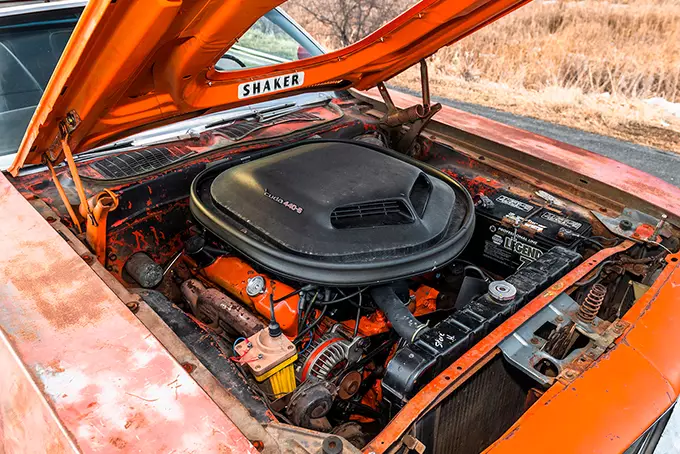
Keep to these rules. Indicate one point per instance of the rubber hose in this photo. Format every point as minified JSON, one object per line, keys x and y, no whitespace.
{"x":402,"y":320}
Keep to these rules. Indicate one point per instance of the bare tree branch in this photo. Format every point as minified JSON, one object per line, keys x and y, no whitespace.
{"x":348,"y":21}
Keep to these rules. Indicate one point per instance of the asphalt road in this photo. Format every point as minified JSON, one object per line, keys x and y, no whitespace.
{"x":663,"y":164}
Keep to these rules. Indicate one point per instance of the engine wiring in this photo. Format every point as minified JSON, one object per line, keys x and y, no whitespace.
{"x":477,"y":270}
{"x":472,"y":267}
{"x":309,"y":342}
{"x":604,"y":238}
{"x":356,"y":323}
{"x":344,"y":298}
{"x":236,"y":342}
{"x":309,"y":329}
{"x":304,"y":315}
{"x":303,"y":321}
{"x":598,"y":270}
{"x":293,"y":293}
{"x":311,"y":326}
{"x":592,"y":241}
{"x":656,"y":243}
{"x":596,"y":276}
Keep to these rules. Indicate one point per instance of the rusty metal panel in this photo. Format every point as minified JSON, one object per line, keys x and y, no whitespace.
{"x":586,"y":177}
{"x":27,"y":423}
{"x":110,"y":383}
{"x":453,"y":376}
{"x":625,"y":390}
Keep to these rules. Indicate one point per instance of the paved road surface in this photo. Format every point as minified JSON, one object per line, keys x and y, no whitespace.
{"x":663,"y":164}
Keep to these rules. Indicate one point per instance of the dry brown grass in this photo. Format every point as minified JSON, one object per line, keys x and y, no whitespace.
{"x":588,"y":64}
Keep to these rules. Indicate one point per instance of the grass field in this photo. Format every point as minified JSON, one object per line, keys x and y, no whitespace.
{"x":588,"y":64}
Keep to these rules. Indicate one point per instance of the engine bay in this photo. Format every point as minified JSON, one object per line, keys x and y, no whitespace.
{"x":330,"y":277}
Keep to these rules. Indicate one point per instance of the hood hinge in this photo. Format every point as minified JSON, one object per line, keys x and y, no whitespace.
{"x":96,"y":209}
{"x":415,"y":117}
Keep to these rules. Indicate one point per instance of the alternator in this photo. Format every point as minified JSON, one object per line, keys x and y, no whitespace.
{"x":328,"y":356}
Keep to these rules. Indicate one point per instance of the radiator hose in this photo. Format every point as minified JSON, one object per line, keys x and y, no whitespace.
{"x":401,"y":318}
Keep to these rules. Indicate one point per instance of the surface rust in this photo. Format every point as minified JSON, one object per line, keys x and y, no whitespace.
{"x":442,"y":385}
{"x":624,"y":391}
{"x":27,"y":423}
{"x":574,"y":173}
{"x":110,"y":383}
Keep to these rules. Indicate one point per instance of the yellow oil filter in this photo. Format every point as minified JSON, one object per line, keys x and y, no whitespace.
{"x":270,"y":360}
{"x":280,"y":380}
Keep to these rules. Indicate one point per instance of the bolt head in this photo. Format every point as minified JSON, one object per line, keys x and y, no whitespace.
{"x":625,"y":224}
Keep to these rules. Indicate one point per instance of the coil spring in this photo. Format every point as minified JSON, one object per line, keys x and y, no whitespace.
{"x":592,"y":303}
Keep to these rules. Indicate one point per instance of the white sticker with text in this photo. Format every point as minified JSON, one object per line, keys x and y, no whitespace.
{"x":270,"y":85}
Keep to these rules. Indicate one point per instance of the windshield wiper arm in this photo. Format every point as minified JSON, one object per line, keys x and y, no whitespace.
{"x":195,"y":127}
{"x":256,"y":113}
{"x":195,"y":131}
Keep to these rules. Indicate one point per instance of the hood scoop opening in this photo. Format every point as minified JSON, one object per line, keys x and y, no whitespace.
{"x":371,"y":214}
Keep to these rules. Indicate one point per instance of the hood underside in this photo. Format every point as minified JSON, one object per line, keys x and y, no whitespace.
{"x":131,"y":65}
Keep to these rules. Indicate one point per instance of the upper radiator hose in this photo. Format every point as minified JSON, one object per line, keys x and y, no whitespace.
{"x":401,"y":318}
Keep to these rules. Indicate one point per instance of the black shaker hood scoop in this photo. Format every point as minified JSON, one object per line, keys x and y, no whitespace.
{"x":336,"y":212}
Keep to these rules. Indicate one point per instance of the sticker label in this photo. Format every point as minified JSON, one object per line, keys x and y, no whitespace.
{"x":511,"y":248}
{"x":505,"y":200}
{"x":526,"y":252}
{"x":270,"y":85}
{"x":564,"y":222}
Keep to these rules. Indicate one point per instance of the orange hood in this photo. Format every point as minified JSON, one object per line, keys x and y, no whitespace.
{"x":131,"y":65}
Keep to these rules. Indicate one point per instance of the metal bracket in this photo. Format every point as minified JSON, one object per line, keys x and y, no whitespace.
{"x":635,"y":225}
{"x":412,"y":444}
{"x":418,"y":116}
{"x":525,"y":349}
{"x":409,"y":138}
{"x":70,"y":123}
{"x":598,"y":346}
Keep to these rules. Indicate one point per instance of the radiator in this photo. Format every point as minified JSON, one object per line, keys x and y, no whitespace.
{"x":477,"y":413}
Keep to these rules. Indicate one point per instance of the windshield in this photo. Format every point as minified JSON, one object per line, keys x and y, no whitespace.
{"x":30,"y":47}
{"x":273,"y":39}
{"x":29,"y":51}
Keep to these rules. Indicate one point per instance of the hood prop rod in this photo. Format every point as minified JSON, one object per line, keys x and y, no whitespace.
{"x":96,"y":209}
{"x":417,"y":116}
{"x":62,"y":195}
{"x":84,"y":208}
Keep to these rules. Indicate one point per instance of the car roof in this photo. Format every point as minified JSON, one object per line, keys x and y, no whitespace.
{"x":28,"y":7}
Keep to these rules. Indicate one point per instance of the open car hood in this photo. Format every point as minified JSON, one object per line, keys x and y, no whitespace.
{"x":131,"y":65}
